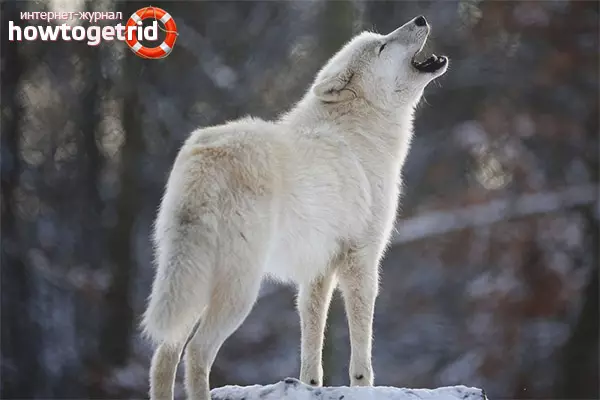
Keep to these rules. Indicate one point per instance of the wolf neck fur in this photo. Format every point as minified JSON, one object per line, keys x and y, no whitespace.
{"x":388,"y":134}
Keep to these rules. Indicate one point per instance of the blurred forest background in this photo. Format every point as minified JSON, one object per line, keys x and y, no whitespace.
{"x":492,"y":278}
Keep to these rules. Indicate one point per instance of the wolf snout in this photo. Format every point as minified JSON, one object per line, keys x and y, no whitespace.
{"x":417,"y":26}
{"x":420,"y":21}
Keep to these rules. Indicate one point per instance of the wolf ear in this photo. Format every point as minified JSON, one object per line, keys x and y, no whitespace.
{"x":335,"y":88}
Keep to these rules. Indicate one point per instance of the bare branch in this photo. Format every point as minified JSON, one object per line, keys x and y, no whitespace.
{"x":440,"y":222}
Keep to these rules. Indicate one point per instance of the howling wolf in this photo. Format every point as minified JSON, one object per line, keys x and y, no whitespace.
{"x":309,"y":198}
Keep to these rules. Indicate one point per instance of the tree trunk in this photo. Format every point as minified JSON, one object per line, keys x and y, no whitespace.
{"x":119,"y":320}
{"x":20,"y":337}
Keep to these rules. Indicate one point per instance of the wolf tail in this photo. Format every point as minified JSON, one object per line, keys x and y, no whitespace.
{"x":186,"y":248}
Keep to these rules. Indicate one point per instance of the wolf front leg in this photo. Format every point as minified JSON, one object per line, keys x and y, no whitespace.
{"x":313,"y":304}
{"x":359,"y":281}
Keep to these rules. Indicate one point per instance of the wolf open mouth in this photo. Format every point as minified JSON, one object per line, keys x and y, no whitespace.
{"x":432,"y":64}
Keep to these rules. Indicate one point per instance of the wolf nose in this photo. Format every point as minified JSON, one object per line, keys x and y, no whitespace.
{"x":420,"y":21}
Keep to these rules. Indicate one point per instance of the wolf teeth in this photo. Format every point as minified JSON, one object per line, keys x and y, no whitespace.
{"x":430,"y":59}
{"x":431,"y":64}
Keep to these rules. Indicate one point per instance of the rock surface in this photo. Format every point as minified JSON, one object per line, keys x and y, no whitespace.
{"x":293,"y":389}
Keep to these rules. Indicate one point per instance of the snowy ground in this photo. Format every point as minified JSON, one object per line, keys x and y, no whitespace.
{"x":293,"y":389}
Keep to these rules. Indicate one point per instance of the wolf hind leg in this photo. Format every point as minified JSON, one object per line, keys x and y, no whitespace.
{"x":222,"y":317}
{"x":236,"y":283}
{"x":162,"y":371}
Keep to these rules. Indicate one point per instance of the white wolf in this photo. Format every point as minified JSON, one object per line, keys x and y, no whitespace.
{"x":310,"y":198}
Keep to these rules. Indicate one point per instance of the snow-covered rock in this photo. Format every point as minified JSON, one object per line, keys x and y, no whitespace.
{"x":293,"y":389}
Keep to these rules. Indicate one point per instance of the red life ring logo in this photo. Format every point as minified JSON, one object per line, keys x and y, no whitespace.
{"x":134,"y":24}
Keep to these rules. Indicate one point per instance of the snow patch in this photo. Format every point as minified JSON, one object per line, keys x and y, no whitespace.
{"x":293,"y":389}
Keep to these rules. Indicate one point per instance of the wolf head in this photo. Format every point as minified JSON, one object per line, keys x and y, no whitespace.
{"x":381,"y":69}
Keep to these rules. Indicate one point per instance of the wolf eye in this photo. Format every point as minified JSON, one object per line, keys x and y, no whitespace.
{"x":382,"y":47}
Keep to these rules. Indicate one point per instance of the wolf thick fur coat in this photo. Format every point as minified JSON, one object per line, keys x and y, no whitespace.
{"x":309,"y":198}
